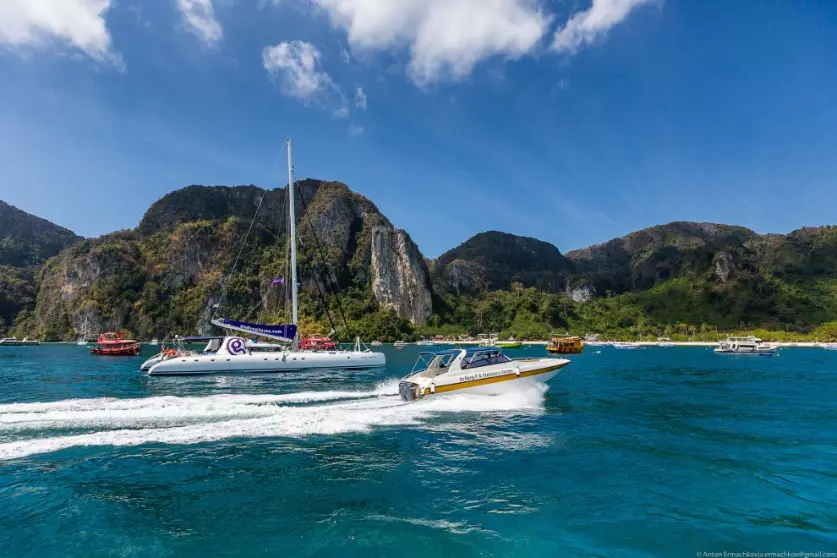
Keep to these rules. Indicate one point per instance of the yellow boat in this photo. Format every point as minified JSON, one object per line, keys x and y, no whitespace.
{"x":565,"y":345}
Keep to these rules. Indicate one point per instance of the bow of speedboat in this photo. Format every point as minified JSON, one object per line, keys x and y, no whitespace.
{"x":485,"y":370}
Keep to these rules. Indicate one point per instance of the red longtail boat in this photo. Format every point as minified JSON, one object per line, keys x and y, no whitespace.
{"x":315,"y":343}
{"x":112,"y":344}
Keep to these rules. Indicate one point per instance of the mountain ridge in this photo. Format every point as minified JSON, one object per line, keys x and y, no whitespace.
{"x":166,"y":274}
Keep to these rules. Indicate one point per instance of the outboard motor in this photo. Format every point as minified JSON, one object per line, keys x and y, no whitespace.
{"x":409,"y":391}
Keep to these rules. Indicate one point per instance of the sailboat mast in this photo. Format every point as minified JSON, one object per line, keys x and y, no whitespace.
{"x":292,"y":219}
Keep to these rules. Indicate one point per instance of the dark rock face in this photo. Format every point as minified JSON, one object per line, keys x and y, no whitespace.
{"x":26,"y":242}
{"x":495,"y":260}
{"x":400,"y":279}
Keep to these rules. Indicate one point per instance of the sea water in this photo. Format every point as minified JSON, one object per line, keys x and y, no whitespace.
{"x":654,"y":452}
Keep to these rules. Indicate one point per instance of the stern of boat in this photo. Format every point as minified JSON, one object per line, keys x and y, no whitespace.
{"x":409,"y":391}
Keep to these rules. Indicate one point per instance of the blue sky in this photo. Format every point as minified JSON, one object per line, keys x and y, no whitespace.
{"x":570,"y":121}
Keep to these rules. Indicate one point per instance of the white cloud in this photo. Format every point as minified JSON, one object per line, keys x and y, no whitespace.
{"x":446,"y":38}
{"x":80,"y":23}
{"x":360,"y":99}
{"x":199,"y":17}
{"x":592,"y":24}
{"x":346,"y":56}
{"x":355,"y":130}
{"x":294,"y":65}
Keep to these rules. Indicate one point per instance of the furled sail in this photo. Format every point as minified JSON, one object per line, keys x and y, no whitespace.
{"x":284,"y":332}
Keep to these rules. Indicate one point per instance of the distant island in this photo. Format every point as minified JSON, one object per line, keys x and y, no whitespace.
{"x":682,"y":280}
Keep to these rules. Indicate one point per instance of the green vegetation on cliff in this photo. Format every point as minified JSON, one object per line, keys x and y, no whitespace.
{"x":26,"y":242}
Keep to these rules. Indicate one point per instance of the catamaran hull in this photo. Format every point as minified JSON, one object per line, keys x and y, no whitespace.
{"x":156,"y":359}
{"x":271,"y":362}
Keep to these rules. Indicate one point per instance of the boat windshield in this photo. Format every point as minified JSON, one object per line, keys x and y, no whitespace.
{"x":434,"y":364}
{"x":484,"y":358}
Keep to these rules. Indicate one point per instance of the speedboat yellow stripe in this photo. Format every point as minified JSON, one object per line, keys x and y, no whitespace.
{"x":494,"y":379}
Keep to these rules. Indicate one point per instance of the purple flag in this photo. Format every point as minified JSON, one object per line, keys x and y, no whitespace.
{"x":279,"y":281}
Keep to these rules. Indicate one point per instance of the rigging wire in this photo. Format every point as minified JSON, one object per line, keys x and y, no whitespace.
{"x":333,"y":284}
{"x":244,"y":241}
{"x":317,"y":285}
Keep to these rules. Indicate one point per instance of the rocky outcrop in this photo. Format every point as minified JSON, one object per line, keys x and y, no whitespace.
{"x":495,"y":260}
{"x":651,"y":256}
{"x":400,"y":279}
{"x":166,"y":276}
{"x":723,"y":266}
{"x":26,"y":242}
{"x":581,"y":293}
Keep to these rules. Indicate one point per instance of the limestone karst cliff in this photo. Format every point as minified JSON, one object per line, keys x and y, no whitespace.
{"x":166,"y":275}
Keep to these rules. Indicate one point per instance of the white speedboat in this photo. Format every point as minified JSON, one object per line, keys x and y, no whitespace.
{"x":829,"y":346}
{"x":625,"y":346}
{"x":399,"y":344}
{"x":664,"y":342}
{"x":154,"y":342}
{"x":425,"y":343}
{"x":746,"y":346}
{"x":485,"y":371}
{"x":237,"y":355}
{"x":15,"y":342}
{"x":81,"y":342}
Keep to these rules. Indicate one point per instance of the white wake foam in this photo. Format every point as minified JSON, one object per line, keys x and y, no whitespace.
{"x":190,"y":420}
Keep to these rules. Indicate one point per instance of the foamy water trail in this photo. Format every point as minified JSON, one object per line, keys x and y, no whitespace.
{"x":219,"y":417}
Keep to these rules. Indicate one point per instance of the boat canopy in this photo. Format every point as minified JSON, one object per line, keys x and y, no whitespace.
{"x":284,"y":332}
{"x":436,"y":362}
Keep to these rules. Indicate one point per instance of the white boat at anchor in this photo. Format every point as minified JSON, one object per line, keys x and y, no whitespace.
{"x":233,"y":354}
{"x":486,"y":371}
{"x":15,"y":342}
{"x":746,"y":346}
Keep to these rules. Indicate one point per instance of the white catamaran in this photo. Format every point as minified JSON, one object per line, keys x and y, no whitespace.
{"x":236,"y":355}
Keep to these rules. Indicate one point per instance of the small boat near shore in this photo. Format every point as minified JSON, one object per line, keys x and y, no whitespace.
{"x":626,"y":346}
{"x":113,"y":344}
{"x":566,"y":344}
{"x":15,"y":342}
{"x":399,"y":344}
{"x":480,"y":370}
{"x":746,"y":346}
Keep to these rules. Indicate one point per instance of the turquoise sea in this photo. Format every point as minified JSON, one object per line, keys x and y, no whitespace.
{"x":653,"y":452}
